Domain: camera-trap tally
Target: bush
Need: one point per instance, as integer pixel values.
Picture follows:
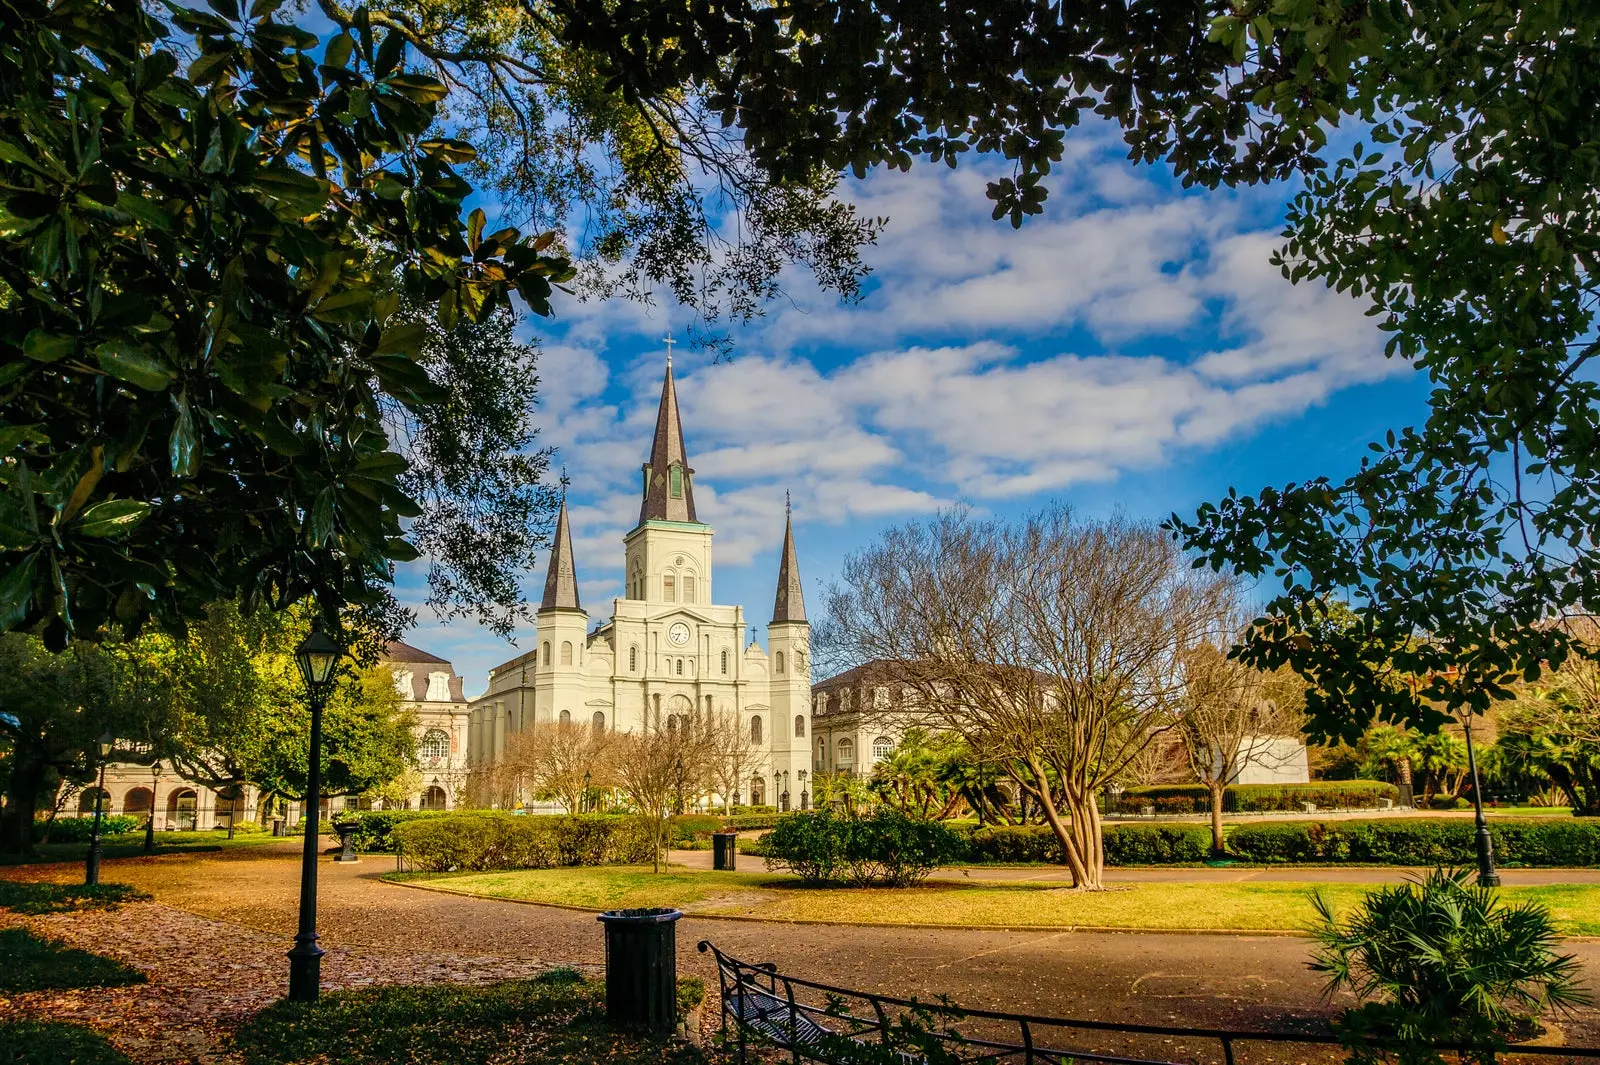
(886, 848)
(1532, 841)
(1124, 844)
(1438, 960)
(1260, 798)
(748, 822)
(375, 828)
(480, 842)
(686, 828)
(79, 829)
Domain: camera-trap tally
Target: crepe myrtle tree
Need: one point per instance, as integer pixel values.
(1443, 153)
(210, 274)
(1053, 646)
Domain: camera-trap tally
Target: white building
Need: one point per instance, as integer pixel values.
(667, 649)
(432, 690)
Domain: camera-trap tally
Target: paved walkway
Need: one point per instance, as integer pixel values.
(383, 932)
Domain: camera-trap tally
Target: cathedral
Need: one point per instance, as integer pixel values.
(668, 651)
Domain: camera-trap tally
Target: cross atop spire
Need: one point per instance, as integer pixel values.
(668, 341)
(560, 578)
(668, 480)
(790, 603)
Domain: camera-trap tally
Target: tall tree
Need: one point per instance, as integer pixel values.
(1053, 646)
(1444, 150)
(54, 707)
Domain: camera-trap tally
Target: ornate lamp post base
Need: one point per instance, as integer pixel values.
(305, 969)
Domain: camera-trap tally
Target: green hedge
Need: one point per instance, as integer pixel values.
(1260, 798)
(375, 828)
(1124, 844)
(751, 822)
(478, 842)
(883, 848)
(1533, 841)
(79, 829)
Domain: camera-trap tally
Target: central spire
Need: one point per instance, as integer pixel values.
(668, 480)
(790, 602)
(561, 579)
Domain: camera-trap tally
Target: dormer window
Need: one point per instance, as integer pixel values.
(438, 688)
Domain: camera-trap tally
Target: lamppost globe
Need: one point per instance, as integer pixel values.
(106, 740)
(317, 656)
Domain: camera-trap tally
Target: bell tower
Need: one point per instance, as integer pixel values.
(668, 554)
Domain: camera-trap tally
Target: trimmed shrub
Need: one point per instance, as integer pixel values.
(480, 842)
(375, 831)
(79, 829)
(1533, 841)
(751, 822)
(885, 848)
(1124, 844)
(1260, 798)
(686, 828)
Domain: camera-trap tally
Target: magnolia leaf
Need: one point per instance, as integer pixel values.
(135, 364)
(111, 517)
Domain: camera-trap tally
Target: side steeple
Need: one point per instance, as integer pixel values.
(668, 480)
(790, 604)
(561, 579)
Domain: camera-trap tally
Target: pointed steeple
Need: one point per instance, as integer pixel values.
(561, 579)
(790, 603)
(668, 480)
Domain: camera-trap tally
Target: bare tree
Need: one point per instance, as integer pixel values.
(561, 760)
(1053, 645)
(731, 755)
(1232, 715)
(654, 765)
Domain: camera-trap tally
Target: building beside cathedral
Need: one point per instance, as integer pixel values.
(668, 651)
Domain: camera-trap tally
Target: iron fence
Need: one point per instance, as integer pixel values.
(810, 1021)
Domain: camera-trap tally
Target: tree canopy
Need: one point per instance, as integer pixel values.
(1445, 158)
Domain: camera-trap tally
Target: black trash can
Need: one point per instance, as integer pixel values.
(278, 828)
(642, 968)
(724, 850)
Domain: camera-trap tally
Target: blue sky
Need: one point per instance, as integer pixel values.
(1132, 348)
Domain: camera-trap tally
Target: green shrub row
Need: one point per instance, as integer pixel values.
(79, 829)
(1260, 798)
(479, 842)
(883, 848)
(1533, 841)
(1124, 844)
(375, 828)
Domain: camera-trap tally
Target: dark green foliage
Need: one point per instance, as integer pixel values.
(205, 275)
(688, 827)
(1533, 841)
(55, 1043)
(375, 828)
(1259, 798)
(28, 963)
(485, 841)
(40, 898)
(1124, 844)
(884, 848)
(552, 1020)
(750, 822)
(1441, 960)
(79, 829)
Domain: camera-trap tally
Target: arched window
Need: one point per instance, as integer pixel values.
(566, 717)
(546, 659)
(669, 588)
(847, 753)
(435, 747)
(881, 748)
(755, 730)
(680, 667)
(688, 588)
(778, 658)
(598, 721)
(675, 481)
(799, 726)
(724, 663)
(86, 801)
(758, 791)
(138, 803)
(433, 798)
(633, 659)
(799, 661)
(566, 652)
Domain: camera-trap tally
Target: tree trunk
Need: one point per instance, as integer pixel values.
(1216, 817)
(1079, 839)
(22, 798)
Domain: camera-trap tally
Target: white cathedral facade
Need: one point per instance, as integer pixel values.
(668, 650)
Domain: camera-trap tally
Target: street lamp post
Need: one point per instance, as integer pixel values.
(91, 871)
(317, 656)
(585, 804)
(1487, 877)
(150, 822)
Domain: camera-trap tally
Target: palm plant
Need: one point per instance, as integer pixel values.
(1438, 960)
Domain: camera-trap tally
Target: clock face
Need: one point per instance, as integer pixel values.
(678, 634)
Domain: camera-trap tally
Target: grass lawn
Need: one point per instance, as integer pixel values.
(30, 963)
(776, 896)
(1527, 811)
(557, 1019)
(55, 1043)
(38, 898)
